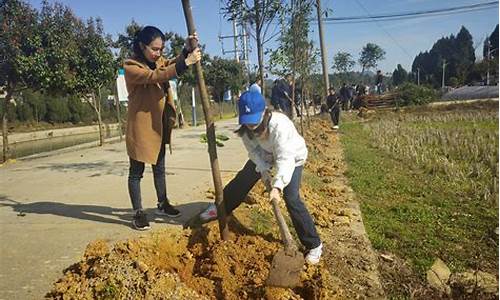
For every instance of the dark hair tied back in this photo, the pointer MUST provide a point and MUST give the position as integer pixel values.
(146, 36)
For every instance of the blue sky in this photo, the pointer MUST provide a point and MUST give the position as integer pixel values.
(402, 40)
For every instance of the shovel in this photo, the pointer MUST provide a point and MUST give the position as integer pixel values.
(287, 263)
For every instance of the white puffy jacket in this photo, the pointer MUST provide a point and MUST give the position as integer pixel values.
(284, 149)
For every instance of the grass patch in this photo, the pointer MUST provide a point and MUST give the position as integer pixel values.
(420, 197)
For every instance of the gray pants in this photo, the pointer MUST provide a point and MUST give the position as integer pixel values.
(136, 171)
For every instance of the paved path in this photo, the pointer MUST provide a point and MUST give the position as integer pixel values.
(52, 206)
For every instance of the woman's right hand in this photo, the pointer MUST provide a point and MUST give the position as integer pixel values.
(193, 57)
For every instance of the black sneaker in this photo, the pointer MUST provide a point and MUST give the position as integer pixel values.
(140, 221)
(165, 209)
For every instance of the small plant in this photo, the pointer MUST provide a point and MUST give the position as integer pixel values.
(219, 139)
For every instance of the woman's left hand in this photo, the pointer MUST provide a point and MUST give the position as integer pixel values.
(191, 43)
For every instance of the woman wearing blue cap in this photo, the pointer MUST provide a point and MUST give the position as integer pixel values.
(272, 142)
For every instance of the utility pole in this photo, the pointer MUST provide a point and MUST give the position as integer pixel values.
(444, 67)
(235, 39)
(324, 54)
(418, 76)
(245, 50)
(488, 63)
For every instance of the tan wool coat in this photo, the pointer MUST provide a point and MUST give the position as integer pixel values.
(148, 91)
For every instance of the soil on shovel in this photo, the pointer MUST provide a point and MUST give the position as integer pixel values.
(197, 264)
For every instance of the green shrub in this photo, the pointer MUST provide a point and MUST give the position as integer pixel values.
(412, 94)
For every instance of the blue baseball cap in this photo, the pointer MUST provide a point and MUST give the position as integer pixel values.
(251, 106)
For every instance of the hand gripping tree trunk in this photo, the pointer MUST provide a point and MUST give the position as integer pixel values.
(212, 150)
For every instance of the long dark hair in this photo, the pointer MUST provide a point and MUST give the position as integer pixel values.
(146, 36)
(261, 130)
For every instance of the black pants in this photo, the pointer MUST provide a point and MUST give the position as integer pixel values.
(238, 188)
(345, 105)
(136, 171)
(335, 114)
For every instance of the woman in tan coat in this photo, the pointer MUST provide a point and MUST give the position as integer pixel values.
(151, 115)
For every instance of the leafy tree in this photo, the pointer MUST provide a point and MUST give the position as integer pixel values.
(24, 112)
(343, 63)
(19, 45)
(125, 41)
(37, 103)
(295, 54)
(399, 75)
(95, 67)
(457, 52)
(222, 74)
(59, 49)
(370, 55)
(57, 110)
(464, 56)
(260, 17)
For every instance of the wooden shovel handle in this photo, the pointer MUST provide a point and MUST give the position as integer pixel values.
(284, 231)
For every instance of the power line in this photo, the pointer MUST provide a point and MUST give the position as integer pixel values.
(411, 15)
(388, 34)
(405, 18)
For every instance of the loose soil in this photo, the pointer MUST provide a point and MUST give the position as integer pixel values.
(196, 264)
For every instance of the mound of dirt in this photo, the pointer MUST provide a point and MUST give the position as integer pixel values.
(197, 264)
(191, 264)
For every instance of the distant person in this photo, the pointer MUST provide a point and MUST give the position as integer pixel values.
(344, 96)
(151, 115)
(256, 86)
(379, 82)
(352, 95)
(281, 96)
(274, 95)
(272, 142)
(333, 103)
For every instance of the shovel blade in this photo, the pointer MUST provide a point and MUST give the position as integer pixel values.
(285, 269)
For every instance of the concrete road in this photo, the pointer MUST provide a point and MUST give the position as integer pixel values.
(53, 205)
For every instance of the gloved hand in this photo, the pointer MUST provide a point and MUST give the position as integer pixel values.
(193, 57)
(275, 194)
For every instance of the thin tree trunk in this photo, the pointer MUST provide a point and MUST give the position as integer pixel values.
(210, 129)
(258, 38)
(304, 104)
(94, 104)
(118, 117)
(260, 55)
(6, 150)
(294, 61)
(314, 104)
